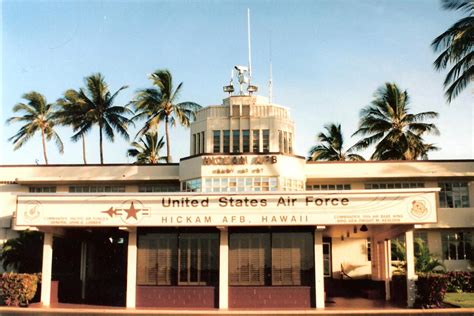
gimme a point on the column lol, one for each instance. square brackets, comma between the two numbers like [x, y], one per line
[224, 268]
[46, 269]
[411, 276]
[319, 268]
[131, 268]
[387, 273]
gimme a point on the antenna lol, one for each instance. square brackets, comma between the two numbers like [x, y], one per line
[270, 81]
[249, 44]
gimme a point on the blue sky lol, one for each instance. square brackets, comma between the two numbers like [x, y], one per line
[328, 59]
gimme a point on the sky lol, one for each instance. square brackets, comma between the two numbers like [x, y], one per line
[328, 58]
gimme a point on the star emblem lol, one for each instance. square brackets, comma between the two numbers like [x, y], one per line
[132, 211]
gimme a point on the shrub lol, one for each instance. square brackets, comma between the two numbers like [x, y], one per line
[18, 288]
[430, 289]
[460, 281]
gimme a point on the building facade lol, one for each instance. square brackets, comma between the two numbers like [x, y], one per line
[242, 222]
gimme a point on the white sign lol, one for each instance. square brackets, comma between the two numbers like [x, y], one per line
[416, 206]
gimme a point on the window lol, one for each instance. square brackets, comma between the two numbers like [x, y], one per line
[159, 187]
[194, 145]
[246, 140]
[292, 184]
[198, 144]
[42, 189]
[96, 188]
[178, 258]
[369, 249]
[226, 148]
[327, 259]
[193, 185]
[280, 141]
[454, 194]
[203, 143]
[246, 110]
[266, 140]
[270, 258]
[285, 142]
[235, 110]
[457, 245]
[290, 143]
[325, 187]
[394, 185]
[217, 141]
[256, 141]
[236, 141]
[241, 184]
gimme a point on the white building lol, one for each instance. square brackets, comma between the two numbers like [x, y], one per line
[242, 222]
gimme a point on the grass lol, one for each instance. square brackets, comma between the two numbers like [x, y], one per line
[460, 299]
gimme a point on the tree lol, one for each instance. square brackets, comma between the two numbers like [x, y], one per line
[99, 109]
[24, 253]
[147, 149]
[330, 146]
[160, 104]
[38, 117]
[396, 133]
[456, 47]
[72, 112]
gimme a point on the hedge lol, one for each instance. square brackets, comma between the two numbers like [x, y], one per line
[430, 289]
[17, 289]
[460, 281]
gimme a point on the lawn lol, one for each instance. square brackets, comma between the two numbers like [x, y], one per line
[460, 299]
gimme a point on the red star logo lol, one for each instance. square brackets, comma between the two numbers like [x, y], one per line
[111, 212]
[132, 211]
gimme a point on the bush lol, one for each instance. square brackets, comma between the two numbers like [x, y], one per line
[430, 289]
[459, 281]
[17, 289]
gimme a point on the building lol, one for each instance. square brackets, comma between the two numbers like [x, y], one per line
[242, 222]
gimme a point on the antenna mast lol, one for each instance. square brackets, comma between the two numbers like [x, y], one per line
[270, 81]
[249, 44]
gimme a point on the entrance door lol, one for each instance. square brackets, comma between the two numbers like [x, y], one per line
[105, 277]
[327, 259]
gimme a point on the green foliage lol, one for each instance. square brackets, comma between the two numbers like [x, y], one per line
[38, 116]
[159, 104]
[460, 281]
[94, 105]
[18, 288]
[330, 146]
[425, 261]
[430, 289]
[24, 253]
[456, 48]
[396, 133]
[147, 150]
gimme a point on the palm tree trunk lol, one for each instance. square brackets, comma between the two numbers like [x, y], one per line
[168, 156]
[100, 144]
[44, 146]
[84, 149]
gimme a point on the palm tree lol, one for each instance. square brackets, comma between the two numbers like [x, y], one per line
[24, 253]
[425, 261]
[99, 110]
[72, 113]
[330, 146]
[39, 116]
[160, 104]
[147, 150]
[456, 45]
[396, 133]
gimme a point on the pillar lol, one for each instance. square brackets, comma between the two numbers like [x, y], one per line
[411, 276]
[46, 269]
[319, 268]
[224, 268]
[131, 269]
[388, 263]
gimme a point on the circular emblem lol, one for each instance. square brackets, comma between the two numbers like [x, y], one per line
[418, 208]
[32, 211]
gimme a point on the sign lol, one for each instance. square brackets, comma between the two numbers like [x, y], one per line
[415, 206]
[238, 160]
